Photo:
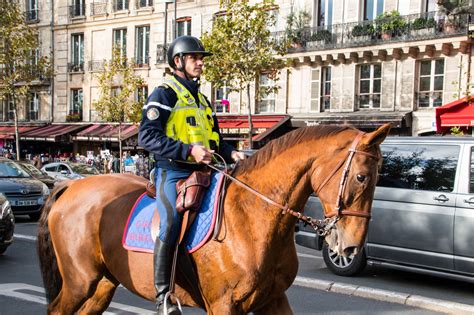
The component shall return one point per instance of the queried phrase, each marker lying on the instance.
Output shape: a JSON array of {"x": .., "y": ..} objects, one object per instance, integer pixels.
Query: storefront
[{"x": 456, "y": 117}]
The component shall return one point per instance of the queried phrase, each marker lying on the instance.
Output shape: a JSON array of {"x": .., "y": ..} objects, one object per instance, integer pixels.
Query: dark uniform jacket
[{"x": 152, "y": 133}]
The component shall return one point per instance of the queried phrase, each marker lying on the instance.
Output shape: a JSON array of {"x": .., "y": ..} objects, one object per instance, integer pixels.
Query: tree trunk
[
  {"x": 120, "y": 147},
  {"x": 249, "y": 117},
  {"x": 17, "y": 135}
]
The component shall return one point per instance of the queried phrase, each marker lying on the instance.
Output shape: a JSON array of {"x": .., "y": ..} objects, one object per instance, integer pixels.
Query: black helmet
[{"x": 185, "y": 45}]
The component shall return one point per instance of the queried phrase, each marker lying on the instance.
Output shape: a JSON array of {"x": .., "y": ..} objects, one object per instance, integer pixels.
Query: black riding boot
[{"x": 162, "y": 273}]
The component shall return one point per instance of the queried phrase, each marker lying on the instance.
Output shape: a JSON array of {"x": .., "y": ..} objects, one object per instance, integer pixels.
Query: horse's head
[{"x": 348, "y": 190}]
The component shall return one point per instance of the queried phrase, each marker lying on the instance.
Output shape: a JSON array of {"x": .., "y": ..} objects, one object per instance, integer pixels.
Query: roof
[{"x": 263, "y": 125}]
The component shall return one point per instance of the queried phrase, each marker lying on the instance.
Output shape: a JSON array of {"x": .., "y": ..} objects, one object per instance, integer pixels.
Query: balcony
[
  {"x": 96, "y": 65},
  {"x": 75, "y": 67},
  {"x": 414, "y": 27},
  {"x": 77, "y": 10},
  {"x": 32, "y": 16},
  {"x": 74, "y": 116},
  {"x": 99, "y": 8}
]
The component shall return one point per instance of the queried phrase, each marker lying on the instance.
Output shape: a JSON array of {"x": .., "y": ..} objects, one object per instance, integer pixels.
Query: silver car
[
  {"x": 422, "y": 213},
  {"x": 67, "y": 170}
]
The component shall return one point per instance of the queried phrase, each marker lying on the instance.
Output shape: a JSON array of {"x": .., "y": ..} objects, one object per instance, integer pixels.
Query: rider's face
[{"x": 193, "y": 64}]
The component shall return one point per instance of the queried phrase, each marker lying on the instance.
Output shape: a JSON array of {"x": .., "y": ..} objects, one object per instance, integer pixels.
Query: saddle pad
[{"x": 139, "y": 232}]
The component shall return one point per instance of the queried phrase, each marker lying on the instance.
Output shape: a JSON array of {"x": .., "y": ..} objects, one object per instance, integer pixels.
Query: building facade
[{"x": 348, "y": 65}]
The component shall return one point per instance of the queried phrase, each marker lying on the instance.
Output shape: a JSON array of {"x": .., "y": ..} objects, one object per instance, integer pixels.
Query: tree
[
  {"x": 243, "y": 48},
  {"x": 20, "y": 63},
  {"x": 117, "y": 83}
]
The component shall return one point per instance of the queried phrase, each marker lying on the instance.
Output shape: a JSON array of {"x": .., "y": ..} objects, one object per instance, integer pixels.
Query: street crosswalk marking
[{"x": 17, "y": 290}]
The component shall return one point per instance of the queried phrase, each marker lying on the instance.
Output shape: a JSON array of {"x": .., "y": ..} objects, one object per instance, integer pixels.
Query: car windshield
[
  {"x": 84, "y": 169},
  {"x": 31, "y": 169},
  {"x": 9, "y": 169}
]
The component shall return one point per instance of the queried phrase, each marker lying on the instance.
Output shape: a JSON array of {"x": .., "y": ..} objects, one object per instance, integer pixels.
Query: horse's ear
[{"x": 377, "y": 136}]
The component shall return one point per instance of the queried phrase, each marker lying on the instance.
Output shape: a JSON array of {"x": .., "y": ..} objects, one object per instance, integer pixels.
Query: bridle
[{"x": 324, "y": 226}]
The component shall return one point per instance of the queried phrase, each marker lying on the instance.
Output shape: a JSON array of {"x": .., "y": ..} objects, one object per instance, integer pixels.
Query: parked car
[
  {"x": 38, "y": 174},
  {"x": 66, "y": 170},
  {"x": 25, "y": 193},
  {"x": 7, "y": 224},
  {"x": 422, "y": 213}
]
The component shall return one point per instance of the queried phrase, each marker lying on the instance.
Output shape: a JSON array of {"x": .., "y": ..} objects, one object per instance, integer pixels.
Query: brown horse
[{"x": 253, "y": 262}]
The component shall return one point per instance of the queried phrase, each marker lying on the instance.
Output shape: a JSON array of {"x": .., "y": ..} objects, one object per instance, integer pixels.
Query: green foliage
[
  {"x": 390, "y": 22},
  {"x": 322, "y": 35},
  {"x": 363, "y": 30},
  {"x": 117, "y": 85},
  {"x": 456, "y": 131},
  {"x": 423, "y": 22},
  {"x": 296, "y": 25},
  {"x": 242, "y": 44}
]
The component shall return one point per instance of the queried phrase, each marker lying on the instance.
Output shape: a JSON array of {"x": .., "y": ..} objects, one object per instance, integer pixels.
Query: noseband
[{"x": 322, "y": 227}]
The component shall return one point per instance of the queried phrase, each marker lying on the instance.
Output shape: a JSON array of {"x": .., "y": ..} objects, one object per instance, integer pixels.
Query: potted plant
[
  {"x": 423, "y": 26},
  {"x": 74, "y": 116},
  {"x": 319, "y": 38},
  {"x": 297, "y": 25},
  {"x": 363, "y": 32},
  {"x": 390, "y": 24}
]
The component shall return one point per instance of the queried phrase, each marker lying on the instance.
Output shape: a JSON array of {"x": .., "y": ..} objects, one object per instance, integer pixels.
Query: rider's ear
[{"x": 376, "y": 137}]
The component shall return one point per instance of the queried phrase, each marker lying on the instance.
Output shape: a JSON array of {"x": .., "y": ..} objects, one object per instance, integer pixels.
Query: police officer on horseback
[{"x": 181, "y": 129}]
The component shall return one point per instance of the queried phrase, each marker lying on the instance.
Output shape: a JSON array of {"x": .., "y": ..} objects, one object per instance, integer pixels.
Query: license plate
[{"x": 26, "y": 202}]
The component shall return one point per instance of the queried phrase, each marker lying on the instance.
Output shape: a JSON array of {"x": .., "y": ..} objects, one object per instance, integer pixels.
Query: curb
[{"x": 437, "y": 305}]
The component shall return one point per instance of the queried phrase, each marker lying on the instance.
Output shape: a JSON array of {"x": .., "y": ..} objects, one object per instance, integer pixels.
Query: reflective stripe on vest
[{"x": 189, "y": 122}]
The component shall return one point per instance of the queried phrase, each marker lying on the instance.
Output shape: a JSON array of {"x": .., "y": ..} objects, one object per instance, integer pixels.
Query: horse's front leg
[{"x": 278, "y": 306}]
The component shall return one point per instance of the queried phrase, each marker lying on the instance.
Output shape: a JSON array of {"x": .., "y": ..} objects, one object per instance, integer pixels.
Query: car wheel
[
  {"x": 35, "y": 216},
  {"x": 3, "y": 248},
  {"x": 344, "y": 266}
]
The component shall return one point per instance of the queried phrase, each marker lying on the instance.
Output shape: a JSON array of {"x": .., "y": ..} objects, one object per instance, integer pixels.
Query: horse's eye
[{"x": 360, "y": 178}]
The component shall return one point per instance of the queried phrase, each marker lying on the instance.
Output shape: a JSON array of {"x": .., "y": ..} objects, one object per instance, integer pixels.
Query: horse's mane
[{"x": 272, "y": 148}]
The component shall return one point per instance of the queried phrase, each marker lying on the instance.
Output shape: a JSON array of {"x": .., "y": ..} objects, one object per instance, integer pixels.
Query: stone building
[{"x": 347, "y": 66}]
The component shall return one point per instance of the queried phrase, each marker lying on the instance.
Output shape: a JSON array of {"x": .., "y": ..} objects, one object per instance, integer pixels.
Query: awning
[
  {"x": 364, "y": 119},
  {"x": 459, "y": 113},
  {"x": 53, "y": 133},
  {"x": 236, "y": 127},
  {"x": 8, "y": 132},
  {"x": 106, "y": 132}
]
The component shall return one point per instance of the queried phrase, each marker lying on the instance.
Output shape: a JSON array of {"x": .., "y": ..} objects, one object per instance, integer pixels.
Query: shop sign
[{"x": 310, "y": 123}]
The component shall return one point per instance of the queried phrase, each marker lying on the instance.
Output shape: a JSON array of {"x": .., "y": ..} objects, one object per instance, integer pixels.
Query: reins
[{"x": 323, "y": 226}]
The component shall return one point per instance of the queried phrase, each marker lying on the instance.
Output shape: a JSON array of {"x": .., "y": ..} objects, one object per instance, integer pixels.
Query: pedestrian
[{"x": 180, "y": 128}]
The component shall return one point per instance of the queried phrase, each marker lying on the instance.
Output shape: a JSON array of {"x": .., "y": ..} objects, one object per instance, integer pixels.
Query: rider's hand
[
  {"x": 201, "y": 154},
  {"x": 237, "y": 155}
]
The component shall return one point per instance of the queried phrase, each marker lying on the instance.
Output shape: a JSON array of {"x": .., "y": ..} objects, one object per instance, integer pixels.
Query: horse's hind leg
[
  {"x": 101, "y": 298},
  {"x": 279, "y": 306}
]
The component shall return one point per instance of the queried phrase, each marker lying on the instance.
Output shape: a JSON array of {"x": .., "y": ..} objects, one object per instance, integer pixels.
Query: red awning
[
  {"x": 8, "y": 132},
  {"x": 262, "y": 124},
  {"x": 51, "y": 132},
  {"x": 459, "y": 113},
  {"x": 106, "y": 132}
]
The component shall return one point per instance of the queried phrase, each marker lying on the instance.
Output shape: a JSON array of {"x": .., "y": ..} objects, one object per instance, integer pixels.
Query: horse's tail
[{"x": 48, "y": 263}]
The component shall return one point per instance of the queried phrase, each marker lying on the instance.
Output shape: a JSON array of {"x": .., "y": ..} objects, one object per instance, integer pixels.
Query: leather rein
[{"x": 324, "y": 226}]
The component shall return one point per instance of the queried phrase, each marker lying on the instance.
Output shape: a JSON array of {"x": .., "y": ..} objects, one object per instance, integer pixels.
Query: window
[
  {"x": 120, "y": 5},
  {"x": 430, "y": 91},
  {"x": 267, "y": 95},
  {"x": 142, "y": 45},
  {"x": 11, "y": 109},
  {"x": 32, "y": 10},
  {"x": 141, "y": 94},
  {"x": 222, "y": 99},
  {"x": 430, "y": 5},
  {"x": 315, "y": 88},
  {"x": 120, "y": 41},
  {"x": 420, "y": 167},
  {"x": 184, "y": 26},
  {"x": 76, "y": 102},
  {"x": 144, "y": 3},
  {"x": 326, "y": 89},
  {"x": 371, "y": 9},
  {"x": 33, "y": 106},
  {"x": 323, "y": 12},
  {"x": 370, "y": 81},
  {"x": 77, "y": 52},
  {"x": 78, "y": 8},
  {"x": 7, "y": 109}
]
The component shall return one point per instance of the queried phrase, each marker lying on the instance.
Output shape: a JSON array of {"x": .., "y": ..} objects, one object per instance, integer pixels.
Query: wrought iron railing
[
  {"x": 161, "y": 53},
  {"x": 95, "y": 65},
  {"x": 74, "y": 116},
  {"x": 98, "y": 8},
  {"x": 32, "y": 15},
  {"x": 412, "y": 28},
  {"x": 75, "y": 67},
  {"x": 77, "y": 10}
]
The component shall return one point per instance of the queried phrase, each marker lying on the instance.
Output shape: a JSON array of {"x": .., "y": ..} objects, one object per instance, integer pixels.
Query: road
[{"x": 21, "y": 289}]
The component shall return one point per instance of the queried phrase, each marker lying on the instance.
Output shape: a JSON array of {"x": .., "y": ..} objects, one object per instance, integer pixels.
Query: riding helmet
[{"x": 185, "y": 45}]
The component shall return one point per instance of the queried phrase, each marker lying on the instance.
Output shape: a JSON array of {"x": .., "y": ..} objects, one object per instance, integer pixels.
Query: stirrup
[{"x": 165, "y": 305}]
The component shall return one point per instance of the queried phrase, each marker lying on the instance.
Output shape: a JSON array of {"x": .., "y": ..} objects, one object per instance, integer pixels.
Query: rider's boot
[{"x": 162, "y": 273}]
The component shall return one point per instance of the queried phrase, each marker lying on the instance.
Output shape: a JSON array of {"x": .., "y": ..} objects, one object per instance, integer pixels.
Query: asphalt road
[{"x": 315, "y": 291}]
